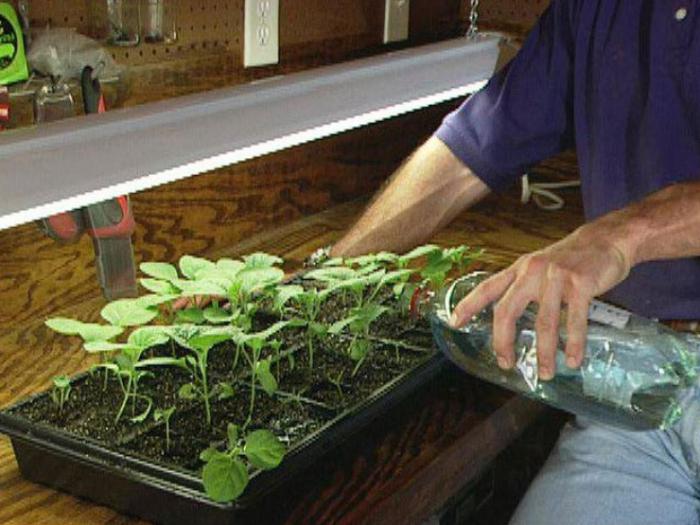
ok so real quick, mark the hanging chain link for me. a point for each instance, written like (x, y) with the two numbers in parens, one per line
(473, 19)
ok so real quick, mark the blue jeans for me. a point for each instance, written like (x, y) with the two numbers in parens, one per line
(599, 474)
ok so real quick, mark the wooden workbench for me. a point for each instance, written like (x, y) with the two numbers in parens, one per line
(402, 468)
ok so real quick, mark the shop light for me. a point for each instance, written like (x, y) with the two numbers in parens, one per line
(69, 164)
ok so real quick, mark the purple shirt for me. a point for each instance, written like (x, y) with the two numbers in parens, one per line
(620, 81)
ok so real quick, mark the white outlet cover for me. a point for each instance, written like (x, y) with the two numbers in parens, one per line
(396, 16)
(261, 33)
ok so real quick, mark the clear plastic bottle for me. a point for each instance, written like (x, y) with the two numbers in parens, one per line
(635, 372)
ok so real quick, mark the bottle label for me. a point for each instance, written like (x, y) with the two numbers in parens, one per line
(527, 365)
(606, 314)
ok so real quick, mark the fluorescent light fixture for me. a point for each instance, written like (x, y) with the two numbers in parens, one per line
(69, 164)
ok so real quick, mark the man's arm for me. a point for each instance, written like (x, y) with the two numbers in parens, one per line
(587, 263)
(425, 193)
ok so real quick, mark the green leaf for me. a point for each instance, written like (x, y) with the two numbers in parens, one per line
(127, 312)
(87, 331)
(190, 266)
(224, 478)
(215, 275)
(374, 258)
(395, 276)
(190, 315)
(263, 449)
(158, 287)
(340, 325)
(125, 362)
(240, 337)
(151, 300)
(182, 333)
(65, 326)
(162, 361)
(254, 279)
(318, 329)
(208, 453)
(225, 391)
(97, 332)
(229, 267)
(159, 270)
(335, 261)
(163, 414)
(187, 391)
(271, 330)
(103, 346)
(356, 283)
(359, 348)
(266, 378)
(368, 269)
(420, 251)
(232, 435)
(61, 382)
(213, 336)
(148, 337)
(370, 313)
(331, 274)
(204, 287)
(285, 293)
(455, 254)
(218, 315)
(261, 260)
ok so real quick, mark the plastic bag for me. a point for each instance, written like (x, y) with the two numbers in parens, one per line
(63, 53)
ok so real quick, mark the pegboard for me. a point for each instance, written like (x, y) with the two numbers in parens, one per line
(201, 25)
(206, 25)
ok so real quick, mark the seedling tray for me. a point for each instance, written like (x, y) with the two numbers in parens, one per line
(166, 495)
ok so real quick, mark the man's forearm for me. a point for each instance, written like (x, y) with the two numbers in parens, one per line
(664, 225)
(427, 192)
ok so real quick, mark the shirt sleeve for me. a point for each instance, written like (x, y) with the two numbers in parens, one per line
(524, 114)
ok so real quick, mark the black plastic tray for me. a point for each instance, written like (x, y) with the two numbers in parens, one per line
(166, 495)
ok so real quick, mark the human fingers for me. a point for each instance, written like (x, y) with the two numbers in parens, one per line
(506, 312)
(576, 328)
(484, 294)
(547, 324)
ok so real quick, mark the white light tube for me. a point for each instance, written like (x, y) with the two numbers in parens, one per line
(69, 164)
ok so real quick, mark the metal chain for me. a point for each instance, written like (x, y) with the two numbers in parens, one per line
(473, 19)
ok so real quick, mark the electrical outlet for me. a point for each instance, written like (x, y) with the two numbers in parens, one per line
(261, 33)
(395, 20)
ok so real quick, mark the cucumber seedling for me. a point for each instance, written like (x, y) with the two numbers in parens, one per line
(259, 368)
(129, 368)
(225, 473)
(60, 391)
(199, 341)
(164, 415)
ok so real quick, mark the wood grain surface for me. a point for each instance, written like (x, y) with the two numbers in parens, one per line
(398, 452)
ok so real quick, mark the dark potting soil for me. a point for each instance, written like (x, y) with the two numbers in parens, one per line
(308, 397)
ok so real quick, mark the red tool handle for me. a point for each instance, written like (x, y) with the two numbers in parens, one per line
(111, 219)
(66, 226)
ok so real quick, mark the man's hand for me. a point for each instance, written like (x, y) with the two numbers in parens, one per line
(571, 272)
